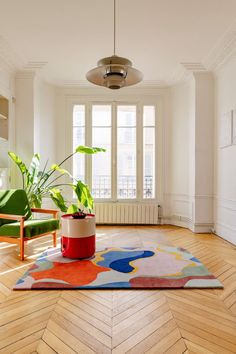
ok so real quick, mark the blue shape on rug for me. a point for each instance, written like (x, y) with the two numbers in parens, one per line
(123, 266)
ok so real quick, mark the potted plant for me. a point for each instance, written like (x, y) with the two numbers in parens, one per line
(43, 183)
(78, 224)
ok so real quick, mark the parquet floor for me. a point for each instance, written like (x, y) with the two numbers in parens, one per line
(137, 321)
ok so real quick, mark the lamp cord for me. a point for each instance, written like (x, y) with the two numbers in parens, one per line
(114, 27)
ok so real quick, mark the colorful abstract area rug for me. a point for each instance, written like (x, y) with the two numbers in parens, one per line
(119, 268)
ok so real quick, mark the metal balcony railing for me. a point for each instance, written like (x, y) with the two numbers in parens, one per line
(126, 187)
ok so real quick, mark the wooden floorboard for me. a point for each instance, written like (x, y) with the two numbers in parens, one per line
(195, 321)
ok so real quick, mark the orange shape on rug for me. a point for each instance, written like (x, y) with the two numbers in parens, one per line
(76, 273)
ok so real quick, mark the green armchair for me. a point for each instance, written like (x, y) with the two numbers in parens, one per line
(17, 224)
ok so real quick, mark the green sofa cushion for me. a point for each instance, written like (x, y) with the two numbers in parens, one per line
(32, 227)
(14, 201)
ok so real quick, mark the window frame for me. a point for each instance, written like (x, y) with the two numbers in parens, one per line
(91, 134)
(140, 103)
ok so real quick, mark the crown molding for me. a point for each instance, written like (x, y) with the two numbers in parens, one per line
(193, 66)
(9, 60)
(35, 65)
(223, 50)
(13, 63)
(185, 70)
(25, 74)
(86, 84)
(153, 83)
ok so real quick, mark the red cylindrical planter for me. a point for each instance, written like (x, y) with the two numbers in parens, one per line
(78, 236)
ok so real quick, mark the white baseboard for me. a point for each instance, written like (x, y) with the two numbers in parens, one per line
(184, 221)
(201, 228)
(181, 221)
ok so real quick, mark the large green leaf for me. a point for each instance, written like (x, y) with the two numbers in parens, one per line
(72, 209)
(34, 170)
(63, 171)
(43, 176)
(89, 150)
(83, 194)
(18, 162)
(35, 200)
(58, 199)
(24, 170)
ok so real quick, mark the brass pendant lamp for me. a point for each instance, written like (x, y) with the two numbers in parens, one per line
(114, 72)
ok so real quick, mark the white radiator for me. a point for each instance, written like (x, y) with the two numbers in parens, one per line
(126, 213)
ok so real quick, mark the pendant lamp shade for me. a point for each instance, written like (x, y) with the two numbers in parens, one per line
(114, 72)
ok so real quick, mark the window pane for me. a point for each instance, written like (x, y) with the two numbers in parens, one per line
(101, 115)
(148, 115)
(79, 139)
(79, 115)
(101, 134)
(126, 116)
(149, 152)
(126, 152)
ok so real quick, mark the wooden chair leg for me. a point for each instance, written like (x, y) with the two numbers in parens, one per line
(22, 250)
(22, 245)
(54, 235)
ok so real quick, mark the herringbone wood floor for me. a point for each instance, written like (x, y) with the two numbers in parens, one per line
(136, 321)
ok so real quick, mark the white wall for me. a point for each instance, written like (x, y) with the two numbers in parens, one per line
(177, 194)
(201, 153)
(24, 112)
(7, 89)
(45, 137)
(35, 120)
(225, 159)
(190, 196)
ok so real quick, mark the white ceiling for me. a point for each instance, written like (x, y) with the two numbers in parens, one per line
(67, 37)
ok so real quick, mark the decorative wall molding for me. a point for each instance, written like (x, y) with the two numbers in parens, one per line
(202, 196)
(225, 218)
(229, 204)
(223, 50)
(225, 232)
(178, 210)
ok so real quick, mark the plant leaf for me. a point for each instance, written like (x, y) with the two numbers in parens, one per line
(34, 170)
(89, 150)
(22, 167)
(35, 200)
(72, 209)
(58, 199)
(63, 171)
(18, 162)
(83, 194)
